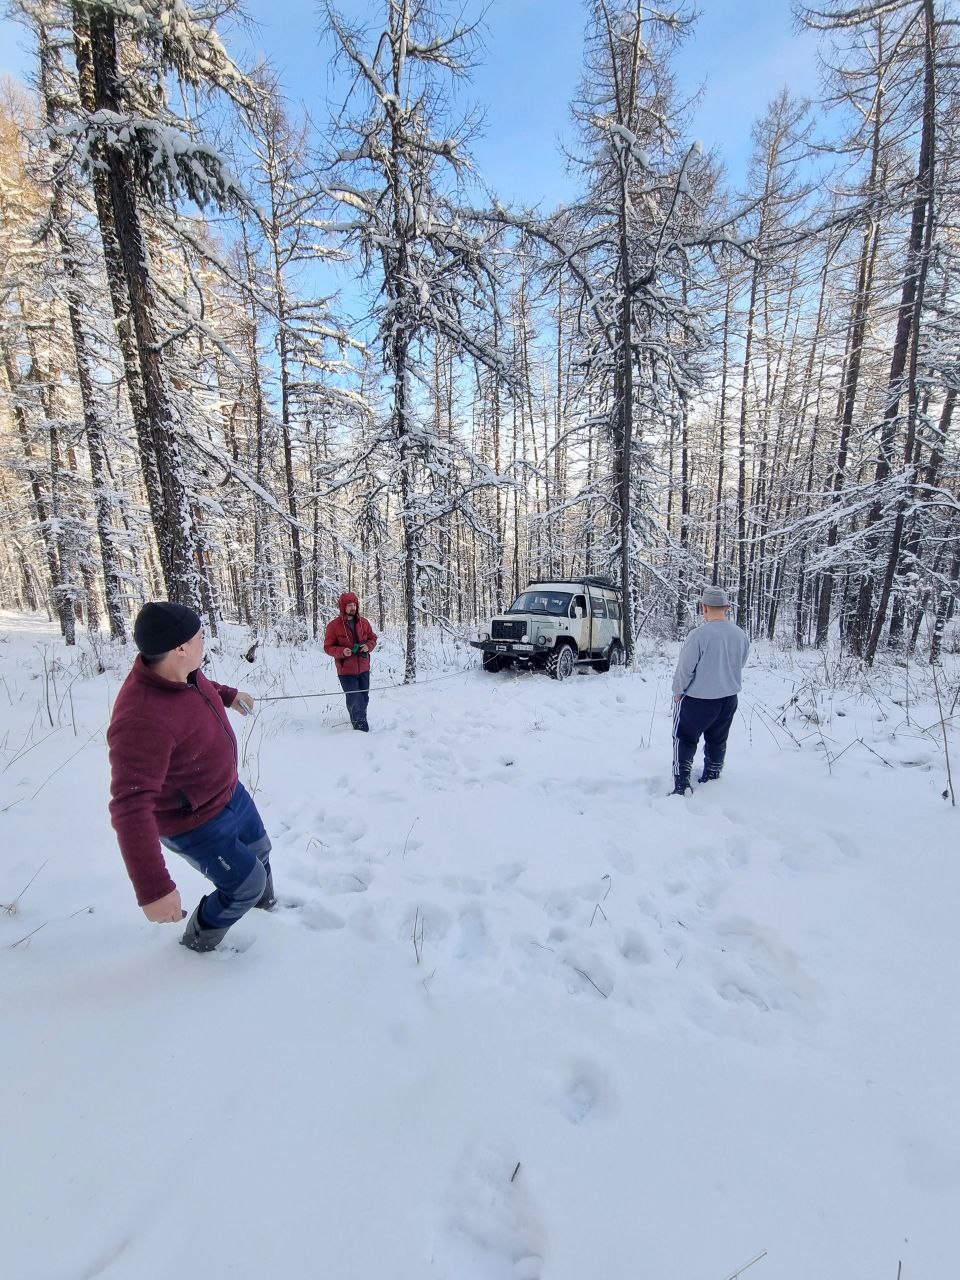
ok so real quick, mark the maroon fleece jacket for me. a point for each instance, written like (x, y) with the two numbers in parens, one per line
(173, 759)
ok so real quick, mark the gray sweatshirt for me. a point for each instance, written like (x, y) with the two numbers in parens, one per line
(711, 661)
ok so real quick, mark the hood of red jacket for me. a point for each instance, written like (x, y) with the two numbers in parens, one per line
(348, 598)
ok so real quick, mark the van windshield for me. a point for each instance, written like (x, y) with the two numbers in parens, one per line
(553, 602)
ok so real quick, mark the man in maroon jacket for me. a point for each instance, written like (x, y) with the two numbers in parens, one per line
(173, 757)
(350, 639)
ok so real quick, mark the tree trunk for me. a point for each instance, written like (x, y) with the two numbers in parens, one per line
(921, 242)
(722, 441)
(742, 599)
(299, 588)
(861, 639)
(93, 425)
(120, 301)
(176, 531)
(626, 428)
(59, 594)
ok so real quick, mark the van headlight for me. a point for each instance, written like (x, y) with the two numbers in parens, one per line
(541, 639)
(525, 638)
(484, 635)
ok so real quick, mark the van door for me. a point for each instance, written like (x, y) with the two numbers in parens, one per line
(580, 629)
(613, 619)
(600, 623)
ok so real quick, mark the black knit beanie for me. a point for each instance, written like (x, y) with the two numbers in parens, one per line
(162, 625)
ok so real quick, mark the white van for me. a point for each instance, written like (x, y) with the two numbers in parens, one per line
(556, 626)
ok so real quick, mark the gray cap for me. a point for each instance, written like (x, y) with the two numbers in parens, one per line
(715, 597)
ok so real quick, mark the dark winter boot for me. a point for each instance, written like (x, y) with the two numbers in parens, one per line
(711, 772)
(681, 785)
(197, 937)
(268, 899)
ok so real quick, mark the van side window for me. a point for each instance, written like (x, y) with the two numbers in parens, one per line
(613, 609)
(578, 603)
(599, 608)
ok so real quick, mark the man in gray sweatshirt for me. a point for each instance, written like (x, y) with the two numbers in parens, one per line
(705, 687)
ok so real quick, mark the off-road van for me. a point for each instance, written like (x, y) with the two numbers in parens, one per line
(556, 626)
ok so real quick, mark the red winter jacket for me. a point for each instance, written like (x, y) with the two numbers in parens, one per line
(340, 637)
(173, 758)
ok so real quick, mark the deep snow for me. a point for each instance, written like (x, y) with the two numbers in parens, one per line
(703, 1028)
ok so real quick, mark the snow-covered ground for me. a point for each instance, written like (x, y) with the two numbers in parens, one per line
(524, 1016)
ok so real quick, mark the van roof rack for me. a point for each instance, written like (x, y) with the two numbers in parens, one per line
(593, 580)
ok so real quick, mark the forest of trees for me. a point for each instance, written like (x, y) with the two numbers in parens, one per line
(253, 356)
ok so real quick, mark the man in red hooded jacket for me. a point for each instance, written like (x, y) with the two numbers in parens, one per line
(350, 640)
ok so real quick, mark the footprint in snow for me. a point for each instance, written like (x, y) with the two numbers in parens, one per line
(318, 919)
(621, 859)
(343, 882)
(289, 902)
(754, 969)
(348, 829)
(559, 905)
(432, 924)
(588, 974)
(844, 843)
(633, 947)
(473, 934)
(233, 945)
(587, 1093)
(490, 1229)
(600, 786)
(738, 819)
(464, 884)
(367, 923)
(507, 874)
(387, 796)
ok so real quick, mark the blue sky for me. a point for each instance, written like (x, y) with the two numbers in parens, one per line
(742, 51)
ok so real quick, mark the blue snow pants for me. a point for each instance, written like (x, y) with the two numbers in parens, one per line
(357, 691)
(233, 851)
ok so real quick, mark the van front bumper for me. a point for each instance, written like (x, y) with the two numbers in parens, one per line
(508, 647)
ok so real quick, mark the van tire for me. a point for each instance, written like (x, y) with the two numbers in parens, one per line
(561, 663)
(615, 657)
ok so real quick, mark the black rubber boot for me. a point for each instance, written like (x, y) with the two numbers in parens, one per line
(198, 938)
(268, 899)
(681, 785)
(711, 772)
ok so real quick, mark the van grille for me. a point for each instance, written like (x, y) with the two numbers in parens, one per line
(502, 630)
